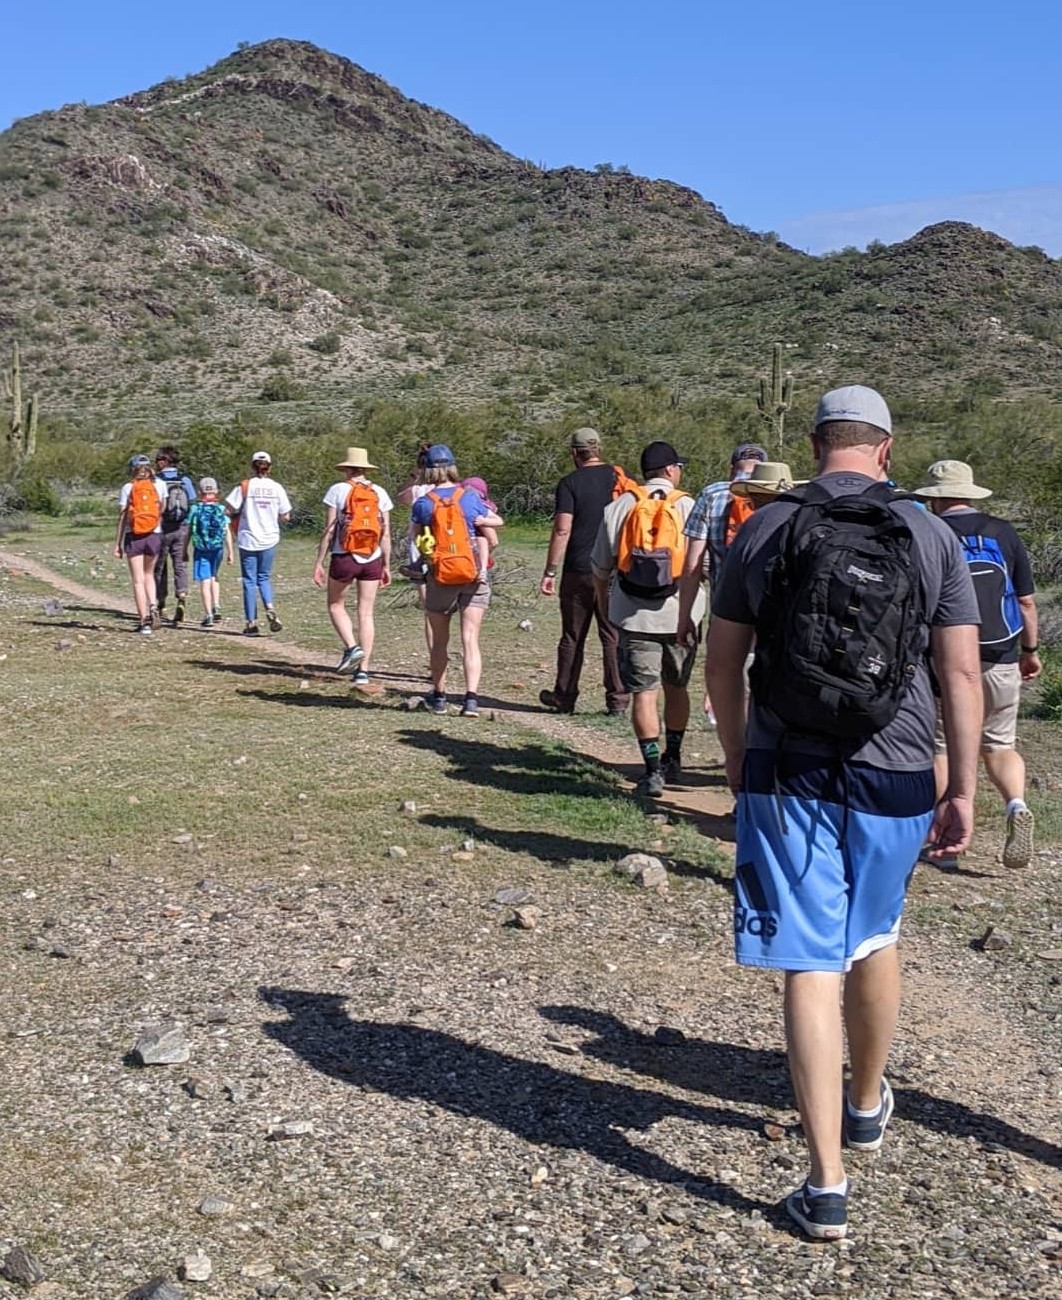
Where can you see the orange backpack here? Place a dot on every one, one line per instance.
(739, 509)
(363, 526)
(652, 545)
(623, 483)
(143, 511)
(454, 555)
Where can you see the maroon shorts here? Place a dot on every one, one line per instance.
(150, 544)
(348, 568)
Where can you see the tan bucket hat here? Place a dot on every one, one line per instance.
(768, 478)
(951, 478)
(357, 458)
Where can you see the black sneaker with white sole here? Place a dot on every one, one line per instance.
(867, 1132)
(823, 1218)
(352, 655)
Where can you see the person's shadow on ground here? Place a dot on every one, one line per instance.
(536, 1102)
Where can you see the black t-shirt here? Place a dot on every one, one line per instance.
(974, 523)
(584, 494)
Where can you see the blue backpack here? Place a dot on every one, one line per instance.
(209, 522)
(996, 598)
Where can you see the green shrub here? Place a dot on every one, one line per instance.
(281, 388)
(327, 344)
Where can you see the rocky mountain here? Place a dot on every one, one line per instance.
(285, 225)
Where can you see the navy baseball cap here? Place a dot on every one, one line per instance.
(438, 456)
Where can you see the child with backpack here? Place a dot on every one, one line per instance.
(211, 541)
(449, 518)
(139, 537)
(357, 535)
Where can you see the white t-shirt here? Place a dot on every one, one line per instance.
(163, 492)
(260, 522)
(336, 497)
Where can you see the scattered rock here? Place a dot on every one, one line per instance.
(512, 897)
(994, 940)
(159, 1288)
(624, 1286)
(198, 1087)
(344, 964)
(239, 761)
(525, 625)
(387, 1242)
(669, 1037)
(64, 643)
(214, 1207)
(1050, 954)
(539, 1175)
(183, 838)
(773, 1132)
(162, 1045)
(462, 855)
(527, 918)
(468, 846)
(289, 1129)
(409, 807)
(509, 1284)
(397, 851)
(413, 702)
(196, 1268)
(53, 607)
(236, 1092)
(636, 1244)
(643, 869)
(21, 1267)
(256, 1268)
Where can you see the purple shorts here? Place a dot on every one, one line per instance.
(150, 544)
(348, 568)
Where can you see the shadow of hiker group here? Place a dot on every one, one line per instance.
(544, 1105)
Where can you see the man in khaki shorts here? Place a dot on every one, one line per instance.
(646, 613)
(1003, 581)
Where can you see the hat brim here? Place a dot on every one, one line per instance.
(745, 487)
(346, 464)
(957, 491)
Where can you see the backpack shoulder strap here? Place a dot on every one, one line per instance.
(674, 496)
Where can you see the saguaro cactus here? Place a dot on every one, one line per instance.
(22, 425)
(776, 396)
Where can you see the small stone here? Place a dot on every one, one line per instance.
(159, 1288)
(660, 819)
(644, 870)
(509, 1283)
(387, 1242)
(527, 918)
(198, 1087)
(512, 897)
(397, 851)
(674, 1214)
(236, 1093)
(539, 1175)
(196, 1268)
(344, 964)
(994, 940)
(256, 1268)
(669, 1037)
(21, 1267)
(184, 838)
(239, 761)
(636, 1244)
(162, 1045)
(468, 846)
(409, 807)
(214, 1207)
(624, 1286)
(53, 607)
(462, 855)
(413, 702)
(303, 796)
(773, 1132)
(64, 643)
(289, 1129)
(1050, 954)
(525, 625)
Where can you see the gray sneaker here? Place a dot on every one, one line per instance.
(1018, 847)
(651, 786)
(352, 655)
(823, 1218)
(436, 702)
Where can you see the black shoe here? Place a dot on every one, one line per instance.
(824, 1218)
(864, 1133)
(352, 655)
(178, 613)
(275, 625)
(251, 629)
(672, 770)
(550, 700)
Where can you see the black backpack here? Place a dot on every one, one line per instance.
(842, 626)
(175, 512)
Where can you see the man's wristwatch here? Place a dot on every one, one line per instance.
(1029, 649)
(550, 573)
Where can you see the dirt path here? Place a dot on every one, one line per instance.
(704, 798)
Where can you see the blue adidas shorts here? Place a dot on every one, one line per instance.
(829, 888)
(207, 564)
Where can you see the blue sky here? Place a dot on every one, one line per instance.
(830, 122)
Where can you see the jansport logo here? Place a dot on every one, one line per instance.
(756, 919)
(864, 575)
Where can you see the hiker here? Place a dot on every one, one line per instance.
(259, 505)
(710, 530)
(139, 536)
(211, 539)
(845, 595)
(1009, 639)
(415, 568)
(637, 560)
(173, 547)
(579, 505)
(447, 519)
(357, 534)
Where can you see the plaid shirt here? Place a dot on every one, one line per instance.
(707, 523)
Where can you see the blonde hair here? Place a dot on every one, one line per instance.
(439, 475)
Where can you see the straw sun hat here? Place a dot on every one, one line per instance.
(357, 458)
(768, 478)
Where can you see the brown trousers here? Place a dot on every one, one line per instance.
(578, 609)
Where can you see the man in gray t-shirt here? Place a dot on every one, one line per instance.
(828, 832)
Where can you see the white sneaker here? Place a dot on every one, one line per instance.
(1018, 847)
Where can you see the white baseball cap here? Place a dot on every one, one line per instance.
(262, 455)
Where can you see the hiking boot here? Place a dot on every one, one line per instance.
(178, 613)
(824, 1218)
(867, 1133)
(651, 786)
(250, 629)
(470, 708)
(207, 621)
(155, 617)
(361, 678)
(275, 625)
(1018, 848)
(672, 770)
(353, 654)
(550, 700)
(436, 702)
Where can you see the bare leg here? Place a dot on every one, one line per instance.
(1006, 771)
(676, 707)
(366, 619)
(136, 577)
(871, 1008)
(471, 622)
(337, 611)
(439, 627)
(814, 1039)
(421, 589)
(644, 715)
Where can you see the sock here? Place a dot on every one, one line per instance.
(1015, 805)
(673, 748)
(650, 753)
(862, 1114)
(838, 1189)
